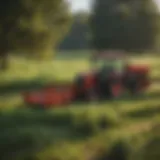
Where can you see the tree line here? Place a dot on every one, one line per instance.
(34, 27)
(116, 24)
(40, 27)
(130, 25)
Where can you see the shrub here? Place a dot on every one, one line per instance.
(120, 150)
(108, 120)
(151, 147)
(145, 112)
(89, 123)
(84, 125)
(19, 143)
(25, 132)
(29, 117)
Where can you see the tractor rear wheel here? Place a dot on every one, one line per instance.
(131, 84)
(108, 90)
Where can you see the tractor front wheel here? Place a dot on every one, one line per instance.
(116, 91)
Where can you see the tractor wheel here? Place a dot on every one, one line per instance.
(106, 92)
(109, 90)
(133, 87)
(116, 91)
(131, 84)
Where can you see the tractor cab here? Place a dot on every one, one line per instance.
(108, 63)
(108, 70)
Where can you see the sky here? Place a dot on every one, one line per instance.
(80, 4)
(85, 4)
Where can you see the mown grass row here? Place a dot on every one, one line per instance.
(77, 121)
(33, 131)
(46, 135)
(61, 69)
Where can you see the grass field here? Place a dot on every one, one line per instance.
(78, 132)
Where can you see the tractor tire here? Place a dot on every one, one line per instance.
(105, 88)
(131, 85)
(81, 95)
(105, 91)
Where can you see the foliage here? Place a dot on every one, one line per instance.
(32, 131)
(32, 26)
(120, 150)
(145, 112)
(127, 24)
(88, 123)
(150, 149)
(77, 34)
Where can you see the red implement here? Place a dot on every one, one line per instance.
(56, 95)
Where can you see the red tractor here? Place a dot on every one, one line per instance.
(109, 78)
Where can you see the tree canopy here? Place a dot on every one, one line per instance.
(33, 26)
(124, 24)
(77, 34)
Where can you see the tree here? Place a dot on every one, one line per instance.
(77, 33)
(129, 25)
(33, 26)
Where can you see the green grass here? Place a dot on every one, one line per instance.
(76, 132)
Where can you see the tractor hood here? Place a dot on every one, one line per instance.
(138, 68)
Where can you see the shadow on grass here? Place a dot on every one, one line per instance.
(126, 98)
(154, 95)
(72, 126)
(26, 132)
(145, 112)
(25, 85)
